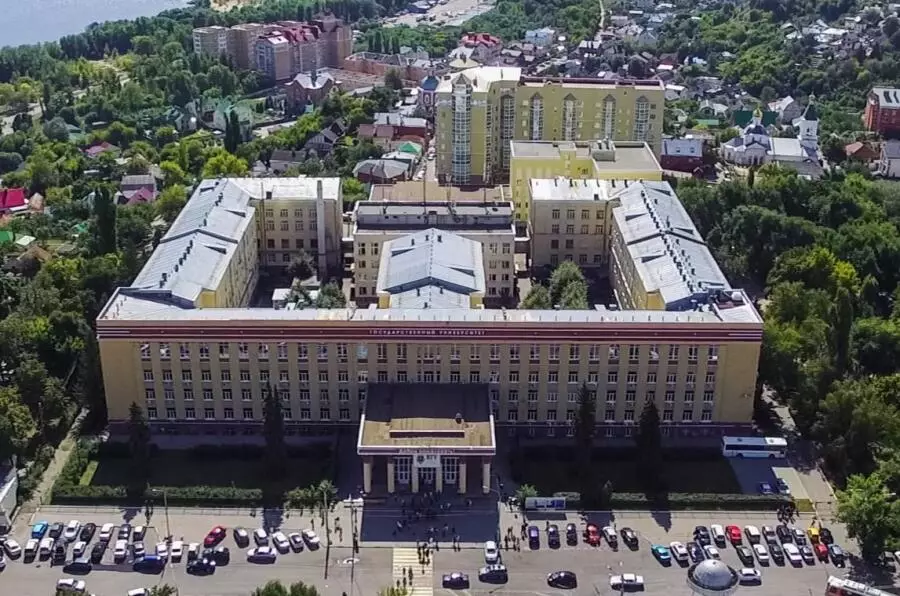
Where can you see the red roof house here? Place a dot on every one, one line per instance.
(12, 200)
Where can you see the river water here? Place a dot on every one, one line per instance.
(32, 21)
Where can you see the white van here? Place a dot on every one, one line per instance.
(45, 547)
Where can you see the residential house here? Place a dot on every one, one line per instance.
(137, 188)
(712, 110)
(390, 127)
(540, 37)
(412, 66)
(280, 161)
(98, 149)
(684, 155)
(882, 114)
(217, 114)
(787, 108)
(485, 48)
(307, 89)
(889, 160)
(674, 92)
(12, 201)
(324, 141)
(861, 151)
(381, 171)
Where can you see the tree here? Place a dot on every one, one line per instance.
(223, 164)
(57, 130)
(649, 444)
(105, 222)
(273, 428)
(566, 273)
(392, 80)
(574, 296)
(232, 132)
(163, 590)
(139, 445)
(871, 513)
(585, 421)
(301, 267)
(841, 324)
(276, 588)
(17, 426)
(525, 491)
(331, 296)
(393, 591)
(170, 202)
(538, 298)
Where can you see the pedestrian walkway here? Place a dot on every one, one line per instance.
(423, 575)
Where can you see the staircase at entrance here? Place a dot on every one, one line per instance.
(423, 583)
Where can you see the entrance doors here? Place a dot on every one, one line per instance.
(426, 479)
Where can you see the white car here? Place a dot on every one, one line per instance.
(762, 555)
(718, 533)
(626, 581)
(711, 552)
(793, 553)
(310, 538)
(162, 550)
(70, 584)
(261, 537)
(46, 546)
(120, 550)
(78, 549)
(31, 547)
(679, 551)
(193, 550)
(177, 550)
(70, 534)
(491, 553)
(281, 541)
(106, 531)
(749, 575)
(753, 534)
(12, 548)
(138, 533)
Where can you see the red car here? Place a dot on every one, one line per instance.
(592, 534)
(821, 551)
(734, 534)
(215, 536)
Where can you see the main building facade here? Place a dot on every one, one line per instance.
(426, 377)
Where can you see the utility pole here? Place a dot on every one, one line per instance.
(353, 550)
(327, 531)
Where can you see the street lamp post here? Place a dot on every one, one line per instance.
(165, 497)
(327, 531)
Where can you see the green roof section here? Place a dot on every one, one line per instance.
(7, 236)
(410, 147)
(743, 117)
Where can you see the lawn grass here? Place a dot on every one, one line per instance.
(88, 476)
(555, 470)
(180, 469)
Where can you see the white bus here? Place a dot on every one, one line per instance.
(771, 447)
(837, 586)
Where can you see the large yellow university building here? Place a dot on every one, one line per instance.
(426, 376)
(479, 111)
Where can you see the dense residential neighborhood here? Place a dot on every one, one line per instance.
(453, 295)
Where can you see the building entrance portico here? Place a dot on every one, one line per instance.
(426, 438)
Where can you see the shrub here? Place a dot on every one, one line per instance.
(674, 501)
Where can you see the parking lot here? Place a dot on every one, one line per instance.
(372, 568)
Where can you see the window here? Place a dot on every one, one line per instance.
(651, 378)
(495, 353)
(670, 397)
(164, 352)
(554, 352)
(629, 396)
(688, 397)
(284, 376)
(534, 353)
(304, 395)
(343, 376)
(323, 395)
(574, 353)
(151, 413)
(188, 395)
(207, 395)
(148, 376)
(282, 352)
(532, 415)
(323, 376)
(713, 354)
(513, 376)
(692, 353)
(185, 351)
(512, 416)
(654, 353)
(167, 376)
(631, 378)
(145, 351)
(572, 397)
(609, 416)
(245, 376)
(711, 378)
(248, 413)
(690, 378)
(243, 351)
(533, 377)
(553, 376)
(570, 229)
(514, 395)
(614, 352)
(228, 413)
(204, 351)
(170, 413)
(189, 413)
(401, 352)
(612, 377)
(246, 395)
(322, 353)
(206, 376)
(305, 414)
(343, 395)
(474, 355)
(226, 394)
(302, 352)
(687, 416)
(474, 376)
(629, 416)
(573, 377)
(706, 416)
(304, 376)
(381, 352)
(209, 414)
(673, 354)
(264, 376)
(514, 353)
(342, 352)
(149, 394)
(634, 353)
(611, 395)
(709, 397)
(667, 415)
(344, 414)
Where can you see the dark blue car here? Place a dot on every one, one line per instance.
(149, 564)
(534, 537)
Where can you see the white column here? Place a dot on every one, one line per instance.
(414, 479)
(461, 480)
(486, 475)
(367, 473)
(390, 474)
(439, 478)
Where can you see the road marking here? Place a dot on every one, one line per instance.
(408, 558)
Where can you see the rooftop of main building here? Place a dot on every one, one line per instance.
(619, 156)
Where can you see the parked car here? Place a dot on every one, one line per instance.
(491, 552)
(762, 555)
(149, 564)
(493, 574)
(125, 532)
(177, 551)
(571, 534)
(12, 548)
(138, 550)
(566, 580)
(311, 539)
(79, 566)
(296, 541)
(837, 554)
(59, 553)
(106, 532)
(31, 549)
(777, 553)
(97, 552)
(71, 585)
(793, 554)
(87, 531)
(695, 552)
(749, 575)
(821, 551)
(201, 567)
(679, 551)
(765, 488)
(718, 534)
(39, 529)
(782, 485)
(591, 534)
(455, 581)
(56, 530)
(813, 533)
(70, 533)
(711, 552)
(45, 547)
(120, 550)
(193, 550)
(701, 535)
(214, 536)
(769, 535)
(745, 555)
(241, 537)
(826, 536)
(553, 536)
(753, 534)
(139, 532)
(784, 534)
(629, 537)
(261, 554)
(220, 554)
(280, 542)
(661, 553)
(799, 536)
(534, 537)
(609, 534)
(162, 550)
(734, 534)
(78, 549)
(626, 582)
(807, 553)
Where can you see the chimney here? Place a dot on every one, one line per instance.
(319, 193)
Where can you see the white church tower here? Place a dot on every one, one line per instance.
(808, 125)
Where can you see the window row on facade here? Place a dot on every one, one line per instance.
(426, 352)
